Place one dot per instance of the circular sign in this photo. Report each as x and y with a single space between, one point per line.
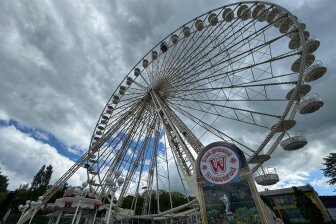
219 164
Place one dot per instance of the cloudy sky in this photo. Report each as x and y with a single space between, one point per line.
61 60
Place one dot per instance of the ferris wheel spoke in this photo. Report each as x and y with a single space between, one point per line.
188 92
235 114
213 130
195 62
230 73
120 154
184 61
110 149
239 109
141 153
242 55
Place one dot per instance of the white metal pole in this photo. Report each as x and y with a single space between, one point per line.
79 215
20 217
94 217
74 218
35 210
110 209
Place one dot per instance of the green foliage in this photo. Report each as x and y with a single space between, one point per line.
41 179
164 200
247 215
330 168
212 216
3 182
307 208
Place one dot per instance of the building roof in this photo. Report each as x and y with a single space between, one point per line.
328 201
285 190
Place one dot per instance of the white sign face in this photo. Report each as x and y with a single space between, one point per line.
219 164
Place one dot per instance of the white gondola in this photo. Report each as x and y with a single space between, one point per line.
129 80
99 132
295 41
93 156
315 71
302 91
272 14
105 117
311 45
93 160
260 158
109 111
309 60
279 18
174 39
295 140
137 71
283 125
186 31
145 63
262 16
116 99
256 10
310 103
228 15
285 25
103 121
199 25
266 177
93 172
244 12
96 138
101 127
163 47
213 20
110 107
122 90
293 29
154 55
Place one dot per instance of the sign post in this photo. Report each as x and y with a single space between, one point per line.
226 188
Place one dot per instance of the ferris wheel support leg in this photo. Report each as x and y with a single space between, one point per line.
261 207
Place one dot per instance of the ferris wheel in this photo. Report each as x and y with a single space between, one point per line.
238 73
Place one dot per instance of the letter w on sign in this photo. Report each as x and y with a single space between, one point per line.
67 204
96 206
218 164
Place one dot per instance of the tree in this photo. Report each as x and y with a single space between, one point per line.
41 179
307 208
330 168
3 182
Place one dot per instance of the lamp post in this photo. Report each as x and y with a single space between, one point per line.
23 208
36 206
113 183
79 193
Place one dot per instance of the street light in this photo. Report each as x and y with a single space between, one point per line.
36 206
79 193
113 183
23 208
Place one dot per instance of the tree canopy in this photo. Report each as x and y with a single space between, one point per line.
330 168
3 182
